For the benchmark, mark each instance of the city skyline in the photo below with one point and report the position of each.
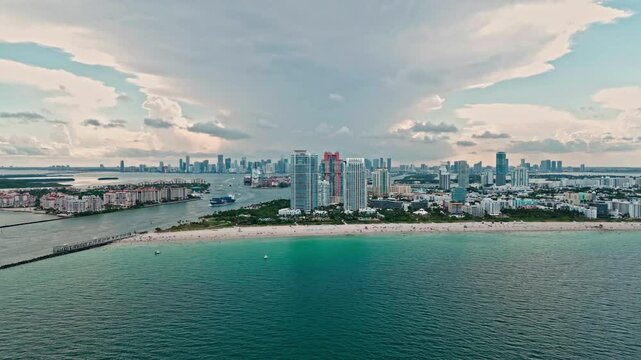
(81, 84)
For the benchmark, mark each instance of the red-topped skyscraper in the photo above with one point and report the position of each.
(331, 170)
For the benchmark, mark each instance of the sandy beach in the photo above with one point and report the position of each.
(254, 232)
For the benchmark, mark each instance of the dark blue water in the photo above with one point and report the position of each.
(476, 296)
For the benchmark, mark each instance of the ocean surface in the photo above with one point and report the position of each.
(570, 295)
(28, 241)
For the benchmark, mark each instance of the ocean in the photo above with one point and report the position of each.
(570, 295)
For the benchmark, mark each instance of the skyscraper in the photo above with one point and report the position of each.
(122, 165)
(354, 184)
(380, 182)
(502, 165)
(444, 178)
(520, 177)
(389, 164)
(187, 164)
(332, 172)
(463, 174)
(220, 164)
(304, 181)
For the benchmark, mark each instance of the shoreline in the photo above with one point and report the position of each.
(288, 231)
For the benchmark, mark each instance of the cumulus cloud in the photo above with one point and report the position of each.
(158, 123)
(218, 130)
(336, 97)
(491, 135)
(24, 116)
(465, 143)
(116, 123)
(427, 126)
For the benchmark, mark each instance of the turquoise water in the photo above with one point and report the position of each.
(513, 295)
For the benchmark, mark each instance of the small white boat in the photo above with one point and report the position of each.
(157, 252)
(265, 257)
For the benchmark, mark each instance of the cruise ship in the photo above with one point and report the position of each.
(222, 200)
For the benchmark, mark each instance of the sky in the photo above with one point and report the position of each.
(89, 82)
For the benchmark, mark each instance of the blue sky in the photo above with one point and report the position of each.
(86, 82)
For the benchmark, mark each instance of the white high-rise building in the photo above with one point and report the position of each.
(380, 182)
(520, 177)
(324, 193)
(304, 181)
(487, 178)
(444, 178)
(354, 184)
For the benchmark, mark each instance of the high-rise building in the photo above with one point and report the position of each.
(181, 165)
(546, 165)
(478, 167)
(389, 164)
(227, 164)
(122, 166)
(459, 195)
(487, 178)
(304, 181)
(354, 184)
(324, 197)
(463, 173)
(220, 164)
(161, 166)
(520, 177)
(375, 164)
(559, 166)
(444, 178)
(187, 164)
(502, 165)
(380, 182)
(331, 170)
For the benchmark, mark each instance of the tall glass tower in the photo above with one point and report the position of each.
(501, 168)
(304, 187)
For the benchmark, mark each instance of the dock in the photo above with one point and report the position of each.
(68, 249)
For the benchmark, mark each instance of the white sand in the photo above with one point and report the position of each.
(253, 232)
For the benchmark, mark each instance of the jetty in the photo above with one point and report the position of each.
(71, 248)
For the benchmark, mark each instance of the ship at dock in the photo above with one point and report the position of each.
(222, 200)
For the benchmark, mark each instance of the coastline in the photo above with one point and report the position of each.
(286, 231)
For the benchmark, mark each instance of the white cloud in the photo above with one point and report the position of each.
(62, 87)
(336, 97)
(622, 98)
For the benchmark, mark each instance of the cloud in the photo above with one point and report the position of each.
(266, 124)
(110, 124)
(465, 143)
(158, 123)
(217, 130)
(63, 88)
(553, 146)
(336, 97)
(344, 130)
(434, 128)
(491, 135)
(24, 116)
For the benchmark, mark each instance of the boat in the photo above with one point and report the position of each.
(157, 252)
(265, 257)
(222, 200)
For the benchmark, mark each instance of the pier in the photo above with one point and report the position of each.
(67, 249)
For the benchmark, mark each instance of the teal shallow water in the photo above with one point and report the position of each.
(513, 295)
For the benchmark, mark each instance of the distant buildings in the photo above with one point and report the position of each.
(380, 182)
(520, 177)
(324, 193)
(304, 181)
(502, 166)
(14, 199)
(354, 184)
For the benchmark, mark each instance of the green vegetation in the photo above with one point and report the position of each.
(541, 215)
(32, 183)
